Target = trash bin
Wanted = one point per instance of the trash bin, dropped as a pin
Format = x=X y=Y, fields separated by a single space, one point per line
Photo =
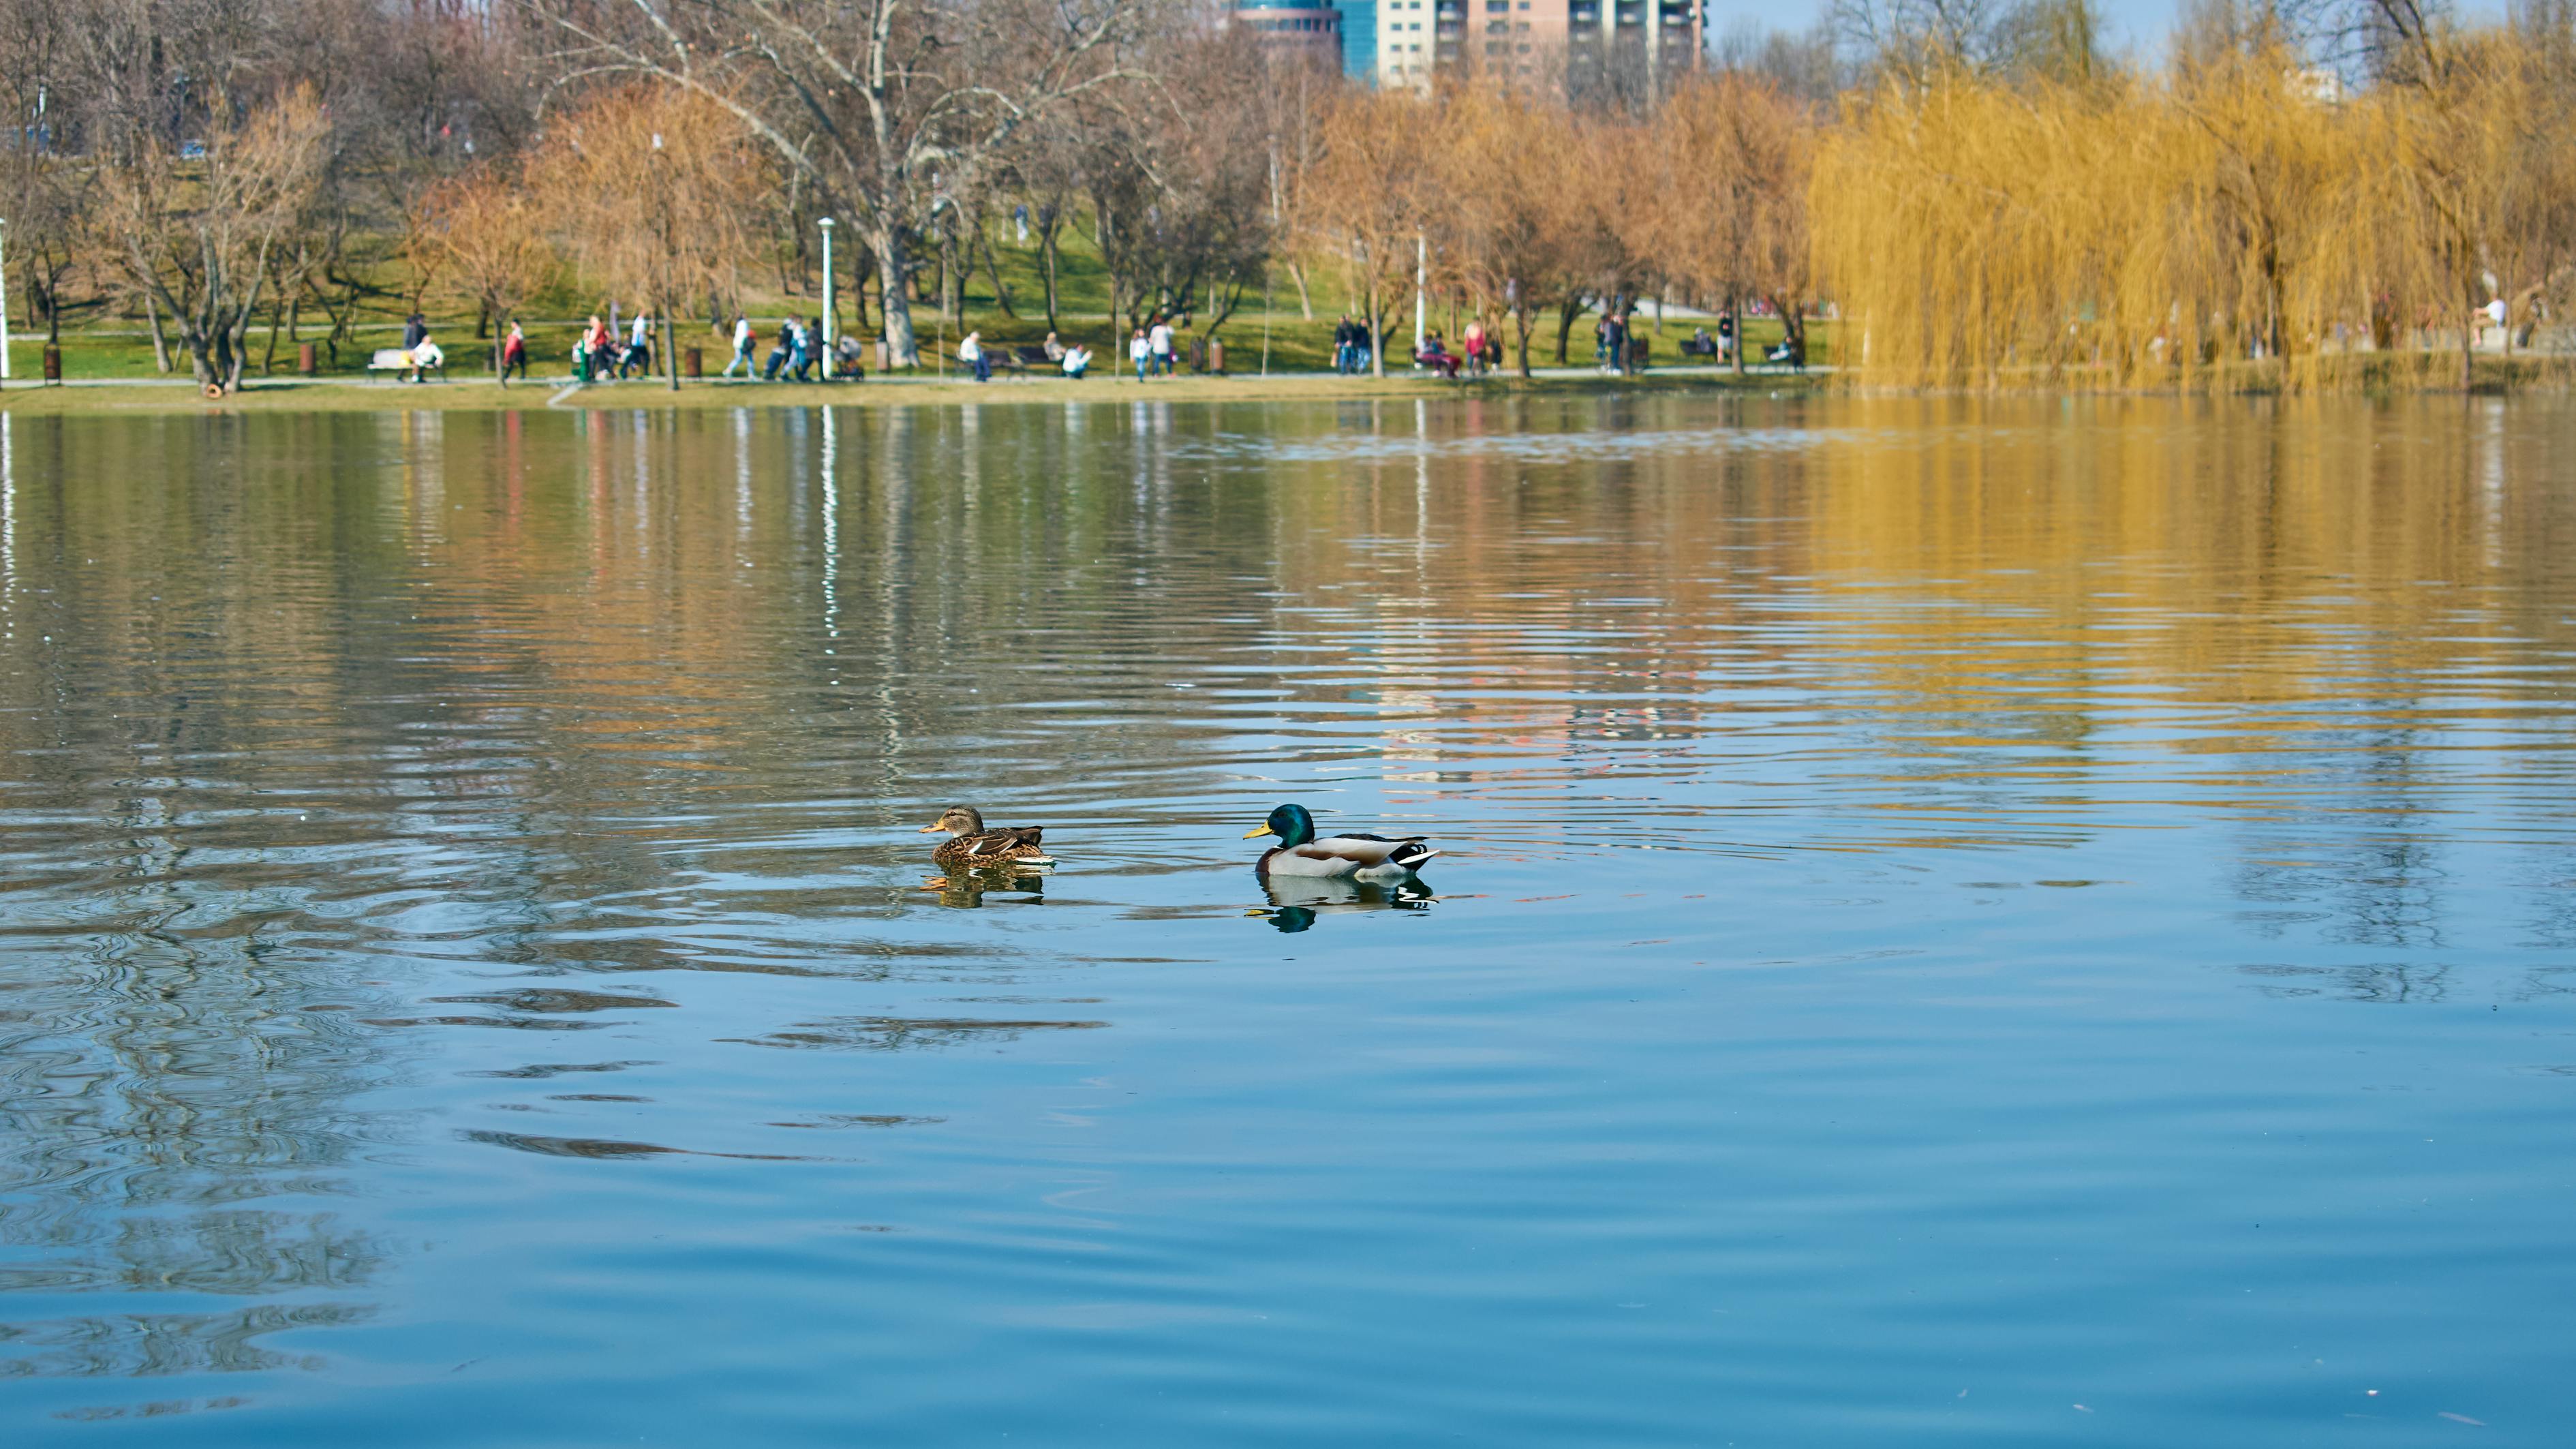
x=53 y=363
x=306 y=362
x=693 y=363
x=1216 y=356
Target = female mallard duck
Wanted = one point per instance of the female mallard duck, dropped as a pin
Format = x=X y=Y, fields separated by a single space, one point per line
x=970 y=845
x=1362 y=857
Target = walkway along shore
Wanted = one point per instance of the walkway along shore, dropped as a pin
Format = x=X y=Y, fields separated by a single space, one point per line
x=178 y=395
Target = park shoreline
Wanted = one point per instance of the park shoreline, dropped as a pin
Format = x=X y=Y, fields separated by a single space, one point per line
x=2494 y=375
x=483 y=395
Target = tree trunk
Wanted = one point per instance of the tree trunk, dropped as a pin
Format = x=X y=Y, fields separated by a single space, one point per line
x=1305 y=304
x=952 y=279
x=671 y=360
x=1735 y=319
x=993 y=268
x=160 y=342
x=1046 y=262
x=2469 y=343
x=1377 y=332
x=1566 y=312
x=276 y=323
x=903 y=348
x=1525 y=318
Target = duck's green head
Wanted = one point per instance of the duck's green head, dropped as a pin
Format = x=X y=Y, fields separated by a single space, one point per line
x=1290 y=823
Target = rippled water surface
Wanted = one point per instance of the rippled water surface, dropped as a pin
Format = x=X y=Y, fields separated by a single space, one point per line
x=1959 y=924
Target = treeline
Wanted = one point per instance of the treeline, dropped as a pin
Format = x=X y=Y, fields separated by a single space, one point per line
x=1980 y=192
x=2336 y=194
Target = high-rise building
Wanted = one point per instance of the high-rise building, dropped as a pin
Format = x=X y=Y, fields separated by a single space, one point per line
x=1359 y=38
x=1311 y=28
x=1577 y=46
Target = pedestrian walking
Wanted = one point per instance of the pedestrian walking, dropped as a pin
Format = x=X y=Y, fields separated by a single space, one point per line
x=742 y=349
x=1141 y=352
x=1342 y=345
x=1159 y=337
x=514 y=355
x=1363 y=347
x=639 y=347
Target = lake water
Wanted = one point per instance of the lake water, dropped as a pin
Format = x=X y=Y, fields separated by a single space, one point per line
x=1959 y=924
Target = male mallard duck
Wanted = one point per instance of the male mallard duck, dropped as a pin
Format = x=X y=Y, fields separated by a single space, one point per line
x=1363 y=857
x=970 y=845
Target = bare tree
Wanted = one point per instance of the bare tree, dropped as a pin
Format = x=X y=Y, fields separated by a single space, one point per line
x=670 y=178
x=883 y=105
x=485 y=237
x=197 y=226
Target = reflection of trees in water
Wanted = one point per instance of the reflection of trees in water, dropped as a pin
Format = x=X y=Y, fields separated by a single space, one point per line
x=171 y=1082
x=163 y=1344
x=898 y=1033
x=2390 y=982
x=285 y=696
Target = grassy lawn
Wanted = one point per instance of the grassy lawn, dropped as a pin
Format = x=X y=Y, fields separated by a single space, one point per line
x=118 y=346
x=481 y=394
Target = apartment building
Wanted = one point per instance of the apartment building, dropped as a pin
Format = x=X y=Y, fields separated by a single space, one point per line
x=1575 y=47
x=1311 y=28
x=1561 y=43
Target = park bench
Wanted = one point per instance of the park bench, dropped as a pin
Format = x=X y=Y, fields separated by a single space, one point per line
x=399 y=359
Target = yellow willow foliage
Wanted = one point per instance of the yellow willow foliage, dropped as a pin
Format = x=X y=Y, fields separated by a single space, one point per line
x=2167 y=229
x=657 y=190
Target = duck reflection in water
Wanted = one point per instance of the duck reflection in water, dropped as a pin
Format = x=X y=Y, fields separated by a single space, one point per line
x=1296 y=901
x=964 y=889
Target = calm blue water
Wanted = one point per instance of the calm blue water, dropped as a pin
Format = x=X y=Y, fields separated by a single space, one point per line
x=1962 y=923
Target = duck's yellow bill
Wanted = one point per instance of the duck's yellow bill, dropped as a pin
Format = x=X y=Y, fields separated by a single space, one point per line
x=1263 y=830
x=925 y=830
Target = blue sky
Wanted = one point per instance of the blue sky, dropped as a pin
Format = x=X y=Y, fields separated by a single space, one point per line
x=2138 y=27
x=2137 y=24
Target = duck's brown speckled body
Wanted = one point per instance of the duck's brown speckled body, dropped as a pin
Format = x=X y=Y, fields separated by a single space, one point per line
x=970 y=845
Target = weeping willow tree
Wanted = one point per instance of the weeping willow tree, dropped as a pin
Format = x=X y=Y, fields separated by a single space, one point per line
x=2238 y=216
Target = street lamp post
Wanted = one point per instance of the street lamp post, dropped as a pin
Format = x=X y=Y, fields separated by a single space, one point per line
x=662 y=220
x=1421 y=286
x=830 y=323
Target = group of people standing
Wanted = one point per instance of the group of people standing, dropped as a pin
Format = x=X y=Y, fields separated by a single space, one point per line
x=600 y=352
x=1151 y=348
x=1350 y=346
